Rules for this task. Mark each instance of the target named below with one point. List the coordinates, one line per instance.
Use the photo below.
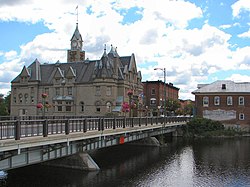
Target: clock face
(74, 43)
(79, 44)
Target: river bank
(202, 127)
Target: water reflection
(214, 162)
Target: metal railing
(18, 128)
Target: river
(181, 163)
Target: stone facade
(224, 101)
(154, 95)
(78, 87)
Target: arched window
(82, 106)
(216, 100)
(241, 116)
(152, 101)
(205, 101)
(26, 98)
(108, 107)
(229, 100)
(20, 98)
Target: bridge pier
(81, 161)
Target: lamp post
(165, 95)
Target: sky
(196, 41)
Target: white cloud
(241, 57)
(240, 6)
(161, 36)
(239, 78)
(245, 34)
(225, 26)
(10, 55)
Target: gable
(24, 72)
(70, 73)
(58, 74)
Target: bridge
(29, 140)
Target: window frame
(241, 101)
(153, 91)
(229, 100)
(20, 96)
(217, 100)
(57, 91)
(109, 90)
(241, 116)
(98, 106)
(152, 101)
(205, 101)
(68, 108)
(26, 100)
(108, 106)
(70, 90)
(82, 107)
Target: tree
(172, 106)
(4, 105)
(7, 101)
(188, 109)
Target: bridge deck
(28, 142)
(24, 142)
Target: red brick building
(224, 101)
(154, 96)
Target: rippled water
(202, 162)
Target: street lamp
(165, 95)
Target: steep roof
(223, 86)
(76, 35)
(83, 72)
(33, 71)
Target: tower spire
(77, 14)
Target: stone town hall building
(78, 87)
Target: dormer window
(223, 86)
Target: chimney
(223, 86)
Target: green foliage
(188, 109)
(172, 105)
(201, 126)
(4, 105)
(209, 128)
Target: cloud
(225, 26)
(149, 37)
(159, 38)
(244, 35)
(10, 55)
(239, 78)
(241, 57)
(240, 6)
(12, 2)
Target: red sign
(121, 141)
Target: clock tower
(76, 54)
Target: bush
(202, 126)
